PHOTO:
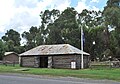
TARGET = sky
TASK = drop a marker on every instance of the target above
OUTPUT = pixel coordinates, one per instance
(20, 15)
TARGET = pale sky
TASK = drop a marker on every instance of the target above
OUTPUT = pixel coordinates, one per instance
(20, 15)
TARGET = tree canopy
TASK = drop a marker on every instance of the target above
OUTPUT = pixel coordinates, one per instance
(101, 31)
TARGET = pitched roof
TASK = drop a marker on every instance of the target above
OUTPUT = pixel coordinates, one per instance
(54, 50)
(8, 53)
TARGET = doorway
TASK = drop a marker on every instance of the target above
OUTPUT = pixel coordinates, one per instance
(43, 62)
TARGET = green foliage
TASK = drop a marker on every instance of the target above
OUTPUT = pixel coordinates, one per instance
(64, 27)
(111, 3)
(33, 37)
(111, 15)
(2, 49)
(11, 41)
(12, 35)
(110, 74)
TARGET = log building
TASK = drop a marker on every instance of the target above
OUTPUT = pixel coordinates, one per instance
(54, 56)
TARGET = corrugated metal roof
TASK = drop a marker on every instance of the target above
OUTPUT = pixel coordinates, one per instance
(54, 50)
(8, 53)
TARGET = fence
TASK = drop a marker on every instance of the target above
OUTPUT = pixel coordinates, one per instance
(8, 63)
(105, 64)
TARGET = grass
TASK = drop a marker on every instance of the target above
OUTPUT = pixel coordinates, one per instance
(94, 73)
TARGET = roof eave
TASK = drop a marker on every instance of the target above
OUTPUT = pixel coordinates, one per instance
(53, 54)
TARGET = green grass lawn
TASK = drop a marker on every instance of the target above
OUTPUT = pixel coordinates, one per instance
(99, 73)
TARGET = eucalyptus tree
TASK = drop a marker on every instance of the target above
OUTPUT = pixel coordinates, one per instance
(47, 17)
(30, 37)
(93, 27)
(12, 40)
(13, 36)
(65, 29)
(2, 49)
(38, 36)
(111, 15)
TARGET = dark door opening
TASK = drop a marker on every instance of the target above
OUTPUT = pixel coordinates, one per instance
(43, 62)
